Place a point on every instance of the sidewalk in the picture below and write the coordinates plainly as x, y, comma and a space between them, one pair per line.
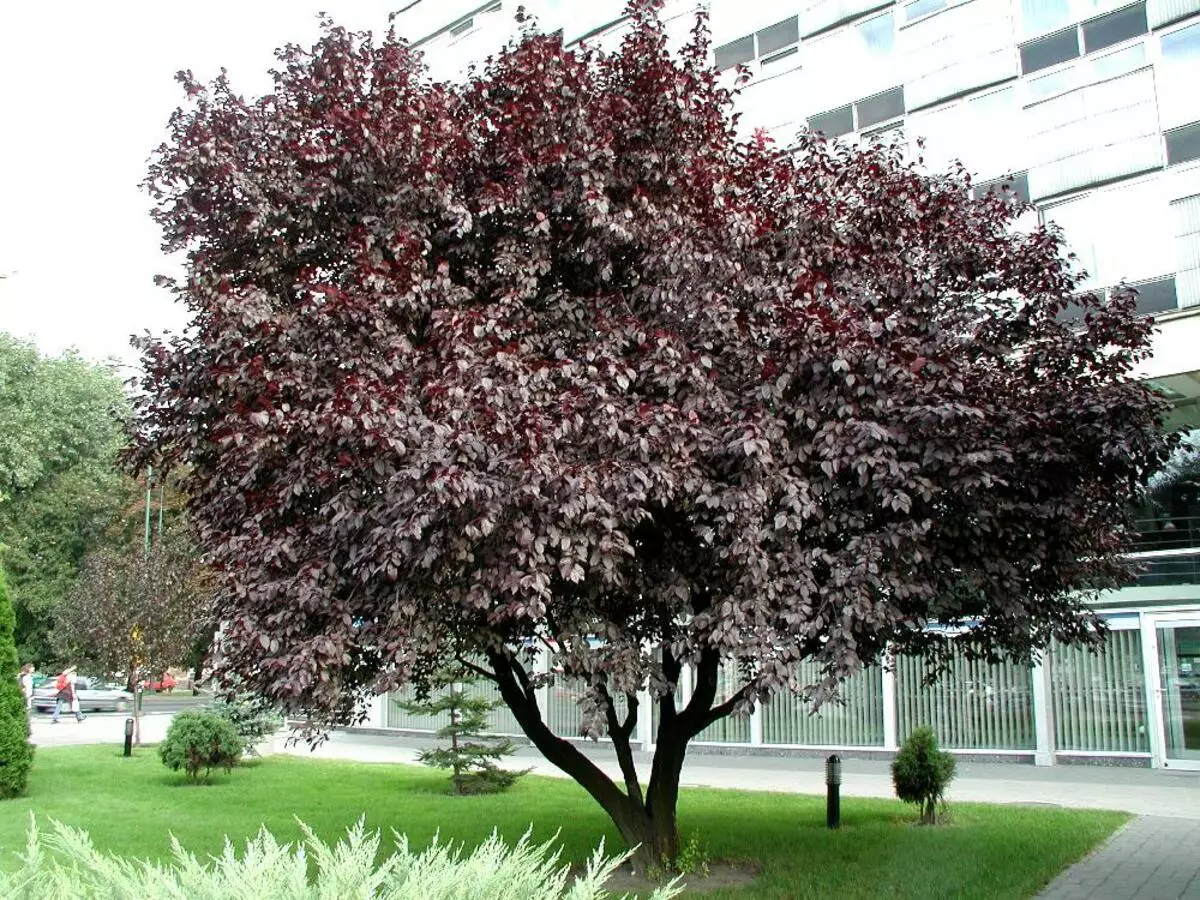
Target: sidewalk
1143, 792
96, 728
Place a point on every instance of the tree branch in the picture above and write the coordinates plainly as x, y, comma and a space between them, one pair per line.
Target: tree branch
478, 670
723, 709
558, 751
619, 733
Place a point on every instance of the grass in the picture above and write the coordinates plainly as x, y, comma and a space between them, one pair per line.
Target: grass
132, 805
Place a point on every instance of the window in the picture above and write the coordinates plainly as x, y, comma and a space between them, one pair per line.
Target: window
887, 136
777, 36
1157, 295
1183, 144
852, 62
735, 53
1040, 16
1050, 50
914, 11
1121, 233
861, 114
1115, 27
1178, 74
773, 43
462, 27
881, 107
985, 132
1018, 184
833, 123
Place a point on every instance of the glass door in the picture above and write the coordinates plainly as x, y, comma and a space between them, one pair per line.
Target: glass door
1179, 692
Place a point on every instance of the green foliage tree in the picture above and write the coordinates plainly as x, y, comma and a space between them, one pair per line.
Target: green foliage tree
135, 611
254, 717
921, 773
16, 753
61, 427
471, 757
200, 740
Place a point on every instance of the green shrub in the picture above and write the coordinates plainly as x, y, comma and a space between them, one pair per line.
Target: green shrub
64, 864
198, 739
921, 773
254, 718
16, 753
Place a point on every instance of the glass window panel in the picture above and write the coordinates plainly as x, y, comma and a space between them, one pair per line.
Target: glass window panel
1183, 144
856, 719
1018, 184
1040, 16
881, 107
734, 53
1099, 698
1115, 27
1179, 674
1050, 50
833, 123
782, 54
1122, 62
923, 8
1157, 295
731, 729
1054, 83
1178, 74
973, 706
778, 36
888, 136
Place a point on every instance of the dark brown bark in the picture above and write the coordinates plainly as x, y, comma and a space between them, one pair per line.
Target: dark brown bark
648, 822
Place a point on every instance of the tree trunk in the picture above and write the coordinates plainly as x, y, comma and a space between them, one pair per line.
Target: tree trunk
650, 823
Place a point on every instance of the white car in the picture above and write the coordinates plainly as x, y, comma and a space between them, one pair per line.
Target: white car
93, 695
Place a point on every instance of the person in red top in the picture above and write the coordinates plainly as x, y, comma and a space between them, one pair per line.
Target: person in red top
66, 694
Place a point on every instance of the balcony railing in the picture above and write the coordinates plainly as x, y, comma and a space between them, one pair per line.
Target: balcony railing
1167, 533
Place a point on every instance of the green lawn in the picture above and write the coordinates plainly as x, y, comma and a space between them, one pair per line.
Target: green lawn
131, 805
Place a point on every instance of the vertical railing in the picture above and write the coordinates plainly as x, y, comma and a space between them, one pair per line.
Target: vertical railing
1099, 698
973, 706
855, 719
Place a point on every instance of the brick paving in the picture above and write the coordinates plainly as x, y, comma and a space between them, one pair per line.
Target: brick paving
1151, 858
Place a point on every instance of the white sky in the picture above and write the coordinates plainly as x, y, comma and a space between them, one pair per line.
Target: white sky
85, 93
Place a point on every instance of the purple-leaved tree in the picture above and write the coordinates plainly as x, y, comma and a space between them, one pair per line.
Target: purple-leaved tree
553, 358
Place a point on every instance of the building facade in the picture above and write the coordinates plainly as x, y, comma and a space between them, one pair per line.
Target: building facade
1090, 110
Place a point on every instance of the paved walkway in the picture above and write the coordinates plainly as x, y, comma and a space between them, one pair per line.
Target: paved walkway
1151, 858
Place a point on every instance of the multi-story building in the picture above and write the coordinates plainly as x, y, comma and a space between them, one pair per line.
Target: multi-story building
1090, 109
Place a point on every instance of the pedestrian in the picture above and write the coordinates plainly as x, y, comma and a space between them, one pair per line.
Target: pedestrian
26, 680
65, 684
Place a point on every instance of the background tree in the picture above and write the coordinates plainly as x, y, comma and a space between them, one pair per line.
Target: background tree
139, 613
16, 753
554, 358
471, 756
62, 423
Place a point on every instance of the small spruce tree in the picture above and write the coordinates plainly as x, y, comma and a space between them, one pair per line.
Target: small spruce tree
921, 773
471, 756
16, 753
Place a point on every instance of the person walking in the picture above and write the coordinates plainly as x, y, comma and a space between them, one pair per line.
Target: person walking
26, 680
65, 683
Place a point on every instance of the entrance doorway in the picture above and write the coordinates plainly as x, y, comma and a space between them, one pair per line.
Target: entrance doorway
1178, 692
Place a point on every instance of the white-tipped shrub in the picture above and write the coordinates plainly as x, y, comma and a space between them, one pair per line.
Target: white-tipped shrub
64, 864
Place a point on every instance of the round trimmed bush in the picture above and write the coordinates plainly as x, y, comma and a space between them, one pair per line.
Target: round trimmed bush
199, 740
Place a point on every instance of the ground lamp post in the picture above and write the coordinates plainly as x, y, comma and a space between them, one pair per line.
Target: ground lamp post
833, 791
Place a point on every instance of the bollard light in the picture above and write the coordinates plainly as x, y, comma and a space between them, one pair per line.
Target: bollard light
833, 788
129, 737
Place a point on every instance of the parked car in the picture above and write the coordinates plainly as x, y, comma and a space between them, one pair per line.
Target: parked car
163, 685
93, 695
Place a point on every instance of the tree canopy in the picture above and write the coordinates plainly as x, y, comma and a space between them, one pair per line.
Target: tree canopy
134, 612
62, 422
553, 357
